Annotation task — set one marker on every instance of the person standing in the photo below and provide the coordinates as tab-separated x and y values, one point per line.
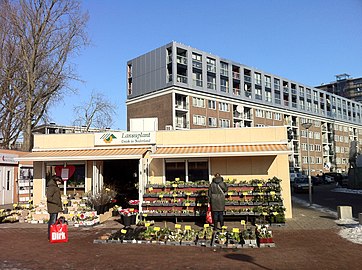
54	201
216	194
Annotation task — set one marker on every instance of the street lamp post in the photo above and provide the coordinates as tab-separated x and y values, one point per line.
307	126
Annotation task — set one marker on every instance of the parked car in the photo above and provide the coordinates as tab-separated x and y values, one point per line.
293	176
316	180
301	184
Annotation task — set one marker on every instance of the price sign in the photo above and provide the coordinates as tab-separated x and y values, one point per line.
245	193
187	227
150	188
224	227
177	179
230	193
206	225
260	185
157	229
174	185
187	204
272	193
265	213
177	226
242	222
147	224
236	230
123	231
145	215
275	213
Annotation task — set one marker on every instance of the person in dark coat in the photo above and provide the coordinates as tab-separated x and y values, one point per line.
216	196
54	200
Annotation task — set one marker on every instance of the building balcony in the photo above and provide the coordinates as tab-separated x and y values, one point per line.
181	79
181	60
180	123
211	86
182	105
286	89
197	83
236	91
247	78
236	75
294	91
224	72
197	64
237	114
211	68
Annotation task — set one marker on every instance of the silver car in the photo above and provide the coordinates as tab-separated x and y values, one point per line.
301	184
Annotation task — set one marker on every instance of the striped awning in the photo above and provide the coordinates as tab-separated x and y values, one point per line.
221	151
85	154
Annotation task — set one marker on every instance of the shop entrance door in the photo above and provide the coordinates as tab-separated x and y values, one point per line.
123	176
7	185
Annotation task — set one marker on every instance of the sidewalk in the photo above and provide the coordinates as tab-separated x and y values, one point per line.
309	240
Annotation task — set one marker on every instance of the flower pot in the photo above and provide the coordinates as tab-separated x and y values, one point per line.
133	219
126	220
100	209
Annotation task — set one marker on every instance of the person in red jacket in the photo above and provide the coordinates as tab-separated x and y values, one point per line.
54	200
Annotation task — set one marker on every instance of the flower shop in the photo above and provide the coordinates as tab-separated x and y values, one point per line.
161	174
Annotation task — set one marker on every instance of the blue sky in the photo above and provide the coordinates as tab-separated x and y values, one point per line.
308	41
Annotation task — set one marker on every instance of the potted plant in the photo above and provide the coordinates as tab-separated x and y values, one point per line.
101	200
128	216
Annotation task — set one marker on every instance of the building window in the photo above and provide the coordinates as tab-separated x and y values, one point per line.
257	78
175	170
318	148
211	104
224	69
276	84
317	135
197	79
198	102
199	120
197	60
211	82
305	160
224	85
268	115
277	116
212	122
224	107
318	160
268	96
211	65
267	82
259	113
224	123
198	170
304	146
258	93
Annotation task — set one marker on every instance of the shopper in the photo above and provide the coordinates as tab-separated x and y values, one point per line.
54	201
216	195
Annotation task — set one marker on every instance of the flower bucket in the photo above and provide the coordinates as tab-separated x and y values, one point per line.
126	220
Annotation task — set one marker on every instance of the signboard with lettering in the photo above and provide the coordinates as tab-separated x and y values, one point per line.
125	138
8	159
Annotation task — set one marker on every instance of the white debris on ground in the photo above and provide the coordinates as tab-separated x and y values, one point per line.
351	229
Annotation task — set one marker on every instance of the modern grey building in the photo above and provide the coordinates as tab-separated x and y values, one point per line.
345	86
186	88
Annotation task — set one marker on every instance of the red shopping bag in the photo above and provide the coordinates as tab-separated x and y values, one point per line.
58	232
209	215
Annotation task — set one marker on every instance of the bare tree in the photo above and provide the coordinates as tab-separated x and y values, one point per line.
97	112
47	33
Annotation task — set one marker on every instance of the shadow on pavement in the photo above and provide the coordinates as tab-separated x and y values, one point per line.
245	258
328	217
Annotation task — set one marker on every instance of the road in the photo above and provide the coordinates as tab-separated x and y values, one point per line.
323	195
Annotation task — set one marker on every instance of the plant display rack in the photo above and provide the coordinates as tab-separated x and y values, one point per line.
257	199
205	237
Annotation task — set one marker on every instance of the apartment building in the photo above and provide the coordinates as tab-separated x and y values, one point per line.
345	86
186	88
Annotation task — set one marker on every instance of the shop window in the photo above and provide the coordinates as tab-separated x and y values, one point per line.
174	170
198	170
76	176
